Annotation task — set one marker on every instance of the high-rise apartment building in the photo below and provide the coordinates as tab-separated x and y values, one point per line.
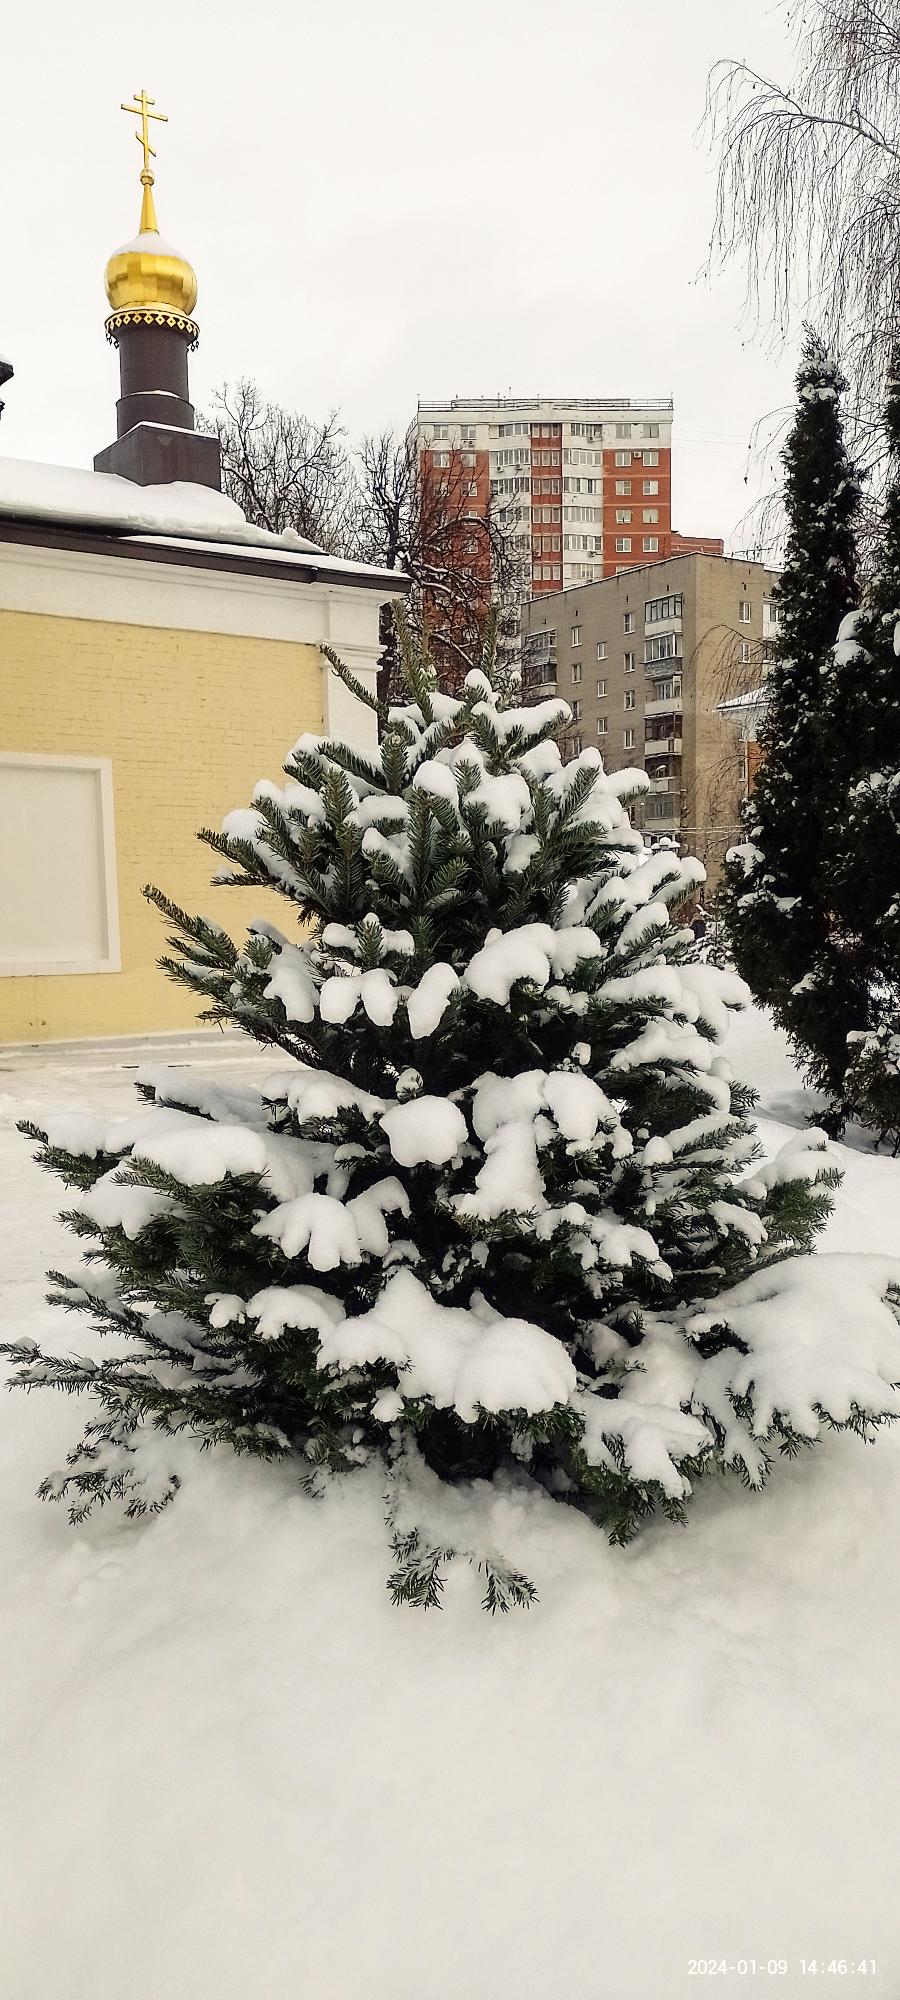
585	483
650	663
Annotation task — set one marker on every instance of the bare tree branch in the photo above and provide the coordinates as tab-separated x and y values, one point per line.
285	471
460	561
808	194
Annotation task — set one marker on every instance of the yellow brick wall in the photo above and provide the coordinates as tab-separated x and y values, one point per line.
190	721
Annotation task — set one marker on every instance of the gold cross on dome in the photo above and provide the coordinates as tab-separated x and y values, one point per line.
141	109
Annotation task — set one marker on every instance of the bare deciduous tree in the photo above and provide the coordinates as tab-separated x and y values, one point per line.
380	505
809	189
284	470
725	668
461	560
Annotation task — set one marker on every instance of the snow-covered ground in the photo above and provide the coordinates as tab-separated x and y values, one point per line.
233	1772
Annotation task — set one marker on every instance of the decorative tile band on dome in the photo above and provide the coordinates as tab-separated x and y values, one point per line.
152	316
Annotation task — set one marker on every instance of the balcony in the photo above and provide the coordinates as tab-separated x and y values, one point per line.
662	746
657	670
662	808
670	706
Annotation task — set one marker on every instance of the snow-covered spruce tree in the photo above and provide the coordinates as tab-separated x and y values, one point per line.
862	848
491	1216
777	901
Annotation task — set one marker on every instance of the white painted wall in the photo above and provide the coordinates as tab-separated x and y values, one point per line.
67	583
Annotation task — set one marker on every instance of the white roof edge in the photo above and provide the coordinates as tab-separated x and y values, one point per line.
311	558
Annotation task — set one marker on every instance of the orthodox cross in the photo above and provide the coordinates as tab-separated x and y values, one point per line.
141	109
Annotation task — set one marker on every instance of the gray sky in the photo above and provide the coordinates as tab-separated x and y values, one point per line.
388	200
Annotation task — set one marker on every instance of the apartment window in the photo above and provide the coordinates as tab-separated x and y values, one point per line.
623	515
746	651
601	649
768	653
745	611
623	488
651	457
650	430
650	516
628	739
651	545
473	489
623	545
441	431
577	743
771	611
576	635
601	689
623	430
628	621
629	698
603	722
576	711
651	486
441	459
628	663
467	433
576	672
623	458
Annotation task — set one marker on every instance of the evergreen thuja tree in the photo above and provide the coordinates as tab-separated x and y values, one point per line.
778	893
862	850
494	1209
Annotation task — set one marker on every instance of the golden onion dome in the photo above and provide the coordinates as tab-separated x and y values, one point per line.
147	281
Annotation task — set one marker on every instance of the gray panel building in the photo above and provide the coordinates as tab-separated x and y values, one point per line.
645	660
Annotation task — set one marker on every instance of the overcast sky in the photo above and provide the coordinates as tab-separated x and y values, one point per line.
384	201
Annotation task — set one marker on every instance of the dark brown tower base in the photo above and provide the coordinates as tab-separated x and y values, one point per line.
156	441
156	454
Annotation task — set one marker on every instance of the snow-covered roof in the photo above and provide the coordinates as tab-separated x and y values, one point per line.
68	495
754	698
282	549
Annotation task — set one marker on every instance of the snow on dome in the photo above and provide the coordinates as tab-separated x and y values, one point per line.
150	243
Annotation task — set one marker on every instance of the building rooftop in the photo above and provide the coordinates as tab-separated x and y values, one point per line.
635	570
539	402
67	493
66	503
